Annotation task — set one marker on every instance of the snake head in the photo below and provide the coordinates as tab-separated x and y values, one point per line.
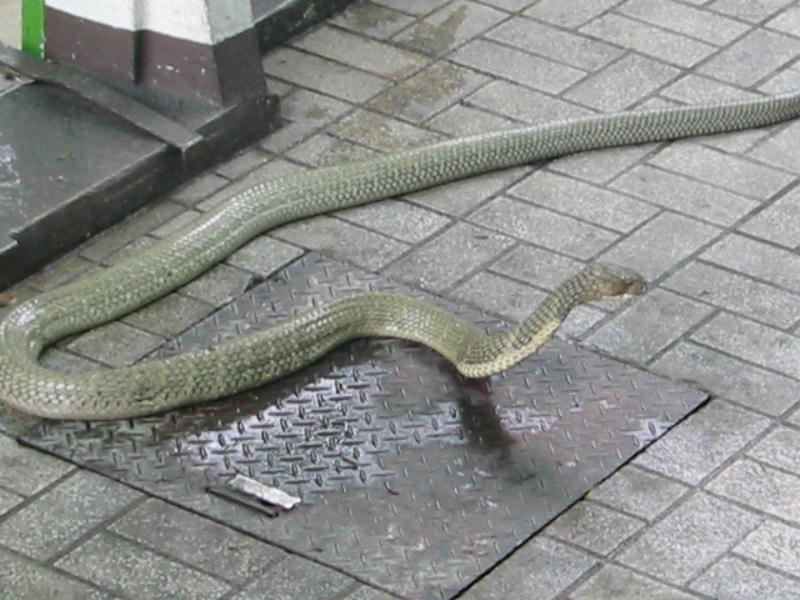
605	280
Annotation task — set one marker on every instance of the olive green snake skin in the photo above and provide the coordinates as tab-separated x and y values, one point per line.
250	360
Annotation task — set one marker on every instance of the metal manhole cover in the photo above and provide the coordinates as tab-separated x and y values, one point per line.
412	478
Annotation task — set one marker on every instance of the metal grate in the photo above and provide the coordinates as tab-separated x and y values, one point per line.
412	478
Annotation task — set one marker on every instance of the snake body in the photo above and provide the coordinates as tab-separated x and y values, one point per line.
250	360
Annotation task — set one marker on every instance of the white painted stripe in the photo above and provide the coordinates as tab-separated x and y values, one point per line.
203	21
116	13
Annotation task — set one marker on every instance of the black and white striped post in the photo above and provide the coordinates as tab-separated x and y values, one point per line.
204	50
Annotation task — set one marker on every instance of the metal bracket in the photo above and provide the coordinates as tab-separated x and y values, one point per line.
125	107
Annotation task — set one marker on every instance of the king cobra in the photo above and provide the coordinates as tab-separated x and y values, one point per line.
250	360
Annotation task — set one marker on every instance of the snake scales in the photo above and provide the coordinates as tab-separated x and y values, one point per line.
253	359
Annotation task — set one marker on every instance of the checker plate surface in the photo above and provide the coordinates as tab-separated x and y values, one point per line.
412	478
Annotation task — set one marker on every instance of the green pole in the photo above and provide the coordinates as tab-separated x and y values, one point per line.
33	27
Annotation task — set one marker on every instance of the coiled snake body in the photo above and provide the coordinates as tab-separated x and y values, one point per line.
254	359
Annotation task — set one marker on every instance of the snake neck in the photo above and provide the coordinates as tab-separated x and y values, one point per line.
493	354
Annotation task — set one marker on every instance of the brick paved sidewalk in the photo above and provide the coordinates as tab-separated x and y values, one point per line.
712	510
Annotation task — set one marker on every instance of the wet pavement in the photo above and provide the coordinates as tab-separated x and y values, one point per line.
709	511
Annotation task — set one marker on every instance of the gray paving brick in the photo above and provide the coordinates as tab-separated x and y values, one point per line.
594	527
729	377
615	583
325	150
701	24
559	45
198	189
343	240
774	544
296	577
774	150
8	500
757	259
115	344
510	5
720	429
689	539
697	89
264	255
587	202
600	166
678	193
638	492
127	568
753	342
724	170
322	75
175	224
449	26
737	294
372	20
761	487
426	93
398	219
137	246
656	42
734	142
735	579
60	272
537	266
55	358
499	295
169	315
278	87
219	285
752	58
568	15
637	75
361	52
781	448
648	326
521	103
788	21
518	66
784	81
460	197
448	257
553	565
27	471
70	509
543	227
244	161
117	237
274	169
303	112
749	10
196	541
462	120
379	132
23	579
414	7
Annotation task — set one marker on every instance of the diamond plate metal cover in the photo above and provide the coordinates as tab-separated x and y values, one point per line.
412	478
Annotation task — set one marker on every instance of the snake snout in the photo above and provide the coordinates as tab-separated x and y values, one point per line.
613	280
